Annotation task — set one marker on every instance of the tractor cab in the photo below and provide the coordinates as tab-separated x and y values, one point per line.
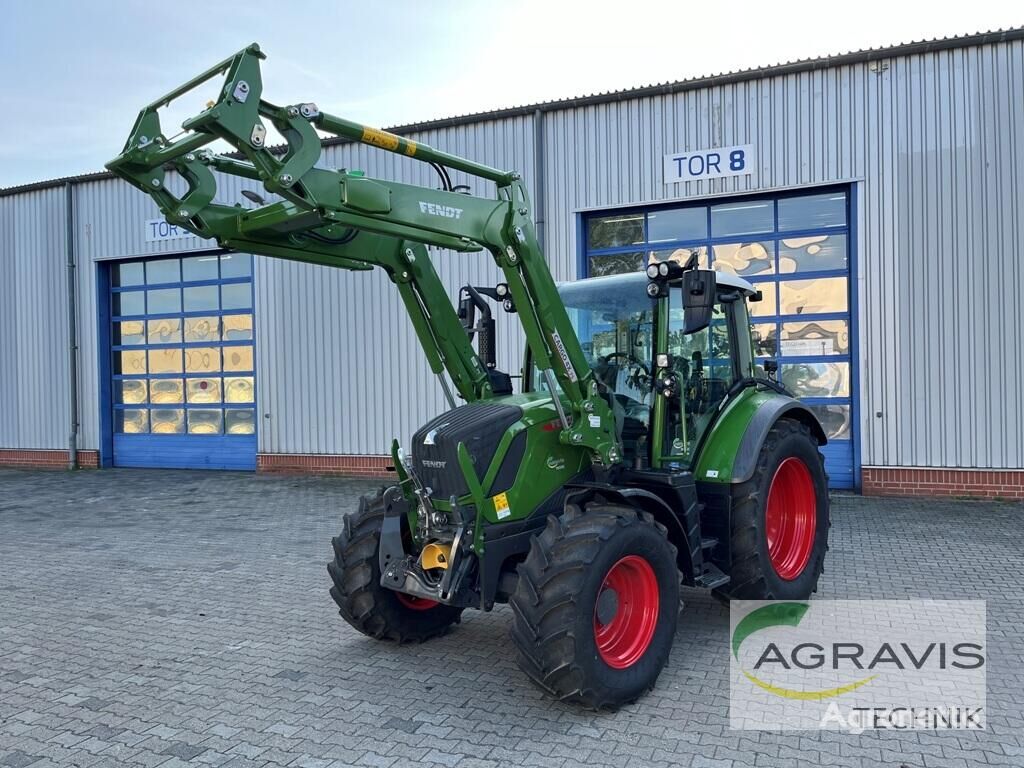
664	374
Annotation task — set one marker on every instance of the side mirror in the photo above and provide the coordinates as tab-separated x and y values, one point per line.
698	299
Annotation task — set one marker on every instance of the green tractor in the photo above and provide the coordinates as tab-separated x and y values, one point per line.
645	450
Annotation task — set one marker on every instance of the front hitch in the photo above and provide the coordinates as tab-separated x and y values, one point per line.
402	571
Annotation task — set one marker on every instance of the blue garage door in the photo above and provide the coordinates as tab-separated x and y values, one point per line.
182	360
796	249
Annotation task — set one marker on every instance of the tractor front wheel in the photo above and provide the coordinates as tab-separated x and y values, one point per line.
780	519
374	610
596	605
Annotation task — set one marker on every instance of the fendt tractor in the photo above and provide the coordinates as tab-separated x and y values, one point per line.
645	450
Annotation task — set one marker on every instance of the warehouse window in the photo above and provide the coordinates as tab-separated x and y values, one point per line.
182	357
795	248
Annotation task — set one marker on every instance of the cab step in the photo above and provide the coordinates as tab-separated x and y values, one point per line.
712	577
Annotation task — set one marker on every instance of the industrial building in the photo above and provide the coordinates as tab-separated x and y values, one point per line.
874	198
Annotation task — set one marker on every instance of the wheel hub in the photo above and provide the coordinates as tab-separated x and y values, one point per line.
791	517
415	603
626	612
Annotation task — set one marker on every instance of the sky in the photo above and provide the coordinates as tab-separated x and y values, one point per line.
75	74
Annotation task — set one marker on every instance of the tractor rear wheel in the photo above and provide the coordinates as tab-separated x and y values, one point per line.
780	519
374	610
596	605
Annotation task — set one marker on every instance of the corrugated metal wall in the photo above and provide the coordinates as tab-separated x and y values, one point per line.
930	142
340	369
34	411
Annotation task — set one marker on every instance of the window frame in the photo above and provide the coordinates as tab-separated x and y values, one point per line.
113	349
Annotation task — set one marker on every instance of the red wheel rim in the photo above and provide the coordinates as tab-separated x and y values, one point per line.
415	603
623	638
791	518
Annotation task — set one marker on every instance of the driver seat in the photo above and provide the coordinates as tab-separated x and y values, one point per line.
629	429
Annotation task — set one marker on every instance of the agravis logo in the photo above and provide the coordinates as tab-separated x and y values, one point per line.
774	615
844	663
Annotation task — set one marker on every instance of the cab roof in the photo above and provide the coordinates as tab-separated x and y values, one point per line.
628	291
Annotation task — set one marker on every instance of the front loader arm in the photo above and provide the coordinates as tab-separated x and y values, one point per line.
343	219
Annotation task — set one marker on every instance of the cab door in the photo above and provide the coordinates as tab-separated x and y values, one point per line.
701	368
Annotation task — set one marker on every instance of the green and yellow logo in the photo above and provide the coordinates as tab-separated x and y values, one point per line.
776	615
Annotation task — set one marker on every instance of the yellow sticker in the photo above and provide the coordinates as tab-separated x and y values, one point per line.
379	138
410	147
501	506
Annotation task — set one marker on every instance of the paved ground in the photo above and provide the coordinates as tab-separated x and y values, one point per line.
182	619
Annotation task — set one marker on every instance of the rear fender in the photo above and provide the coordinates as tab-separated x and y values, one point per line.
729	453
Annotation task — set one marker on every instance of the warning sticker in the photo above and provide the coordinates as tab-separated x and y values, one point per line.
379	138
501	506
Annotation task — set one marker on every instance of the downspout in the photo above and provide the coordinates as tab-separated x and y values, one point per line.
69	226
540	204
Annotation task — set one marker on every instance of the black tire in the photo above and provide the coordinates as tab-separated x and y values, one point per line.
555	604
753	576
372	609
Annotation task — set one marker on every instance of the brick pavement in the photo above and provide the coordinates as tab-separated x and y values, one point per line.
181	619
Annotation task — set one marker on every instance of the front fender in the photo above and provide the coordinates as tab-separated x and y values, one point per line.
729	452
686	542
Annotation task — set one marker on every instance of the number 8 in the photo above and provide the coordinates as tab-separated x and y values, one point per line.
737	160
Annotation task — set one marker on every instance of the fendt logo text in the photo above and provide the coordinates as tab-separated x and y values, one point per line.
440	210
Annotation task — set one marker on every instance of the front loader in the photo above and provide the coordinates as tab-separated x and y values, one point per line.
645	450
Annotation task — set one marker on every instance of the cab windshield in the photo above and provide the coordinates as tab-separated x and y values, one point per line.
614	320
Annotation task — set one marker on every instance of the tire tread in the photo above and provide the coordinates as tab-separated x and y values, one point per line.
545	602
747	579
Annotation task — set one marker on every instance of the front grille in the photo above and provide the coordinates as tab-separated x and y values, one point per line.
435	445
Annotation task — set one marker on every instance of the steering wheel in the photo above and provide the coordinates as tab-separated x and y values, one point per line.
640	375
606	359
